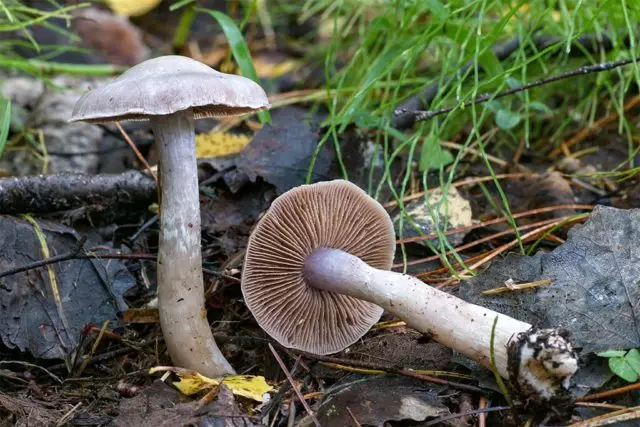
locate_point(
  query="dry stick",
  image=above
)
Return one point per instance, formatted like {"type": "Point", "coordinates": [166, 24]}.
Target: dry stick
{"type": "Point", "coordinates": [353, 418]}
{"type": "Point", "coordinates": [479, 241]}
{"type": "Point", "coordinates": [294, 386]}
{"type": "Point", "coordinates": [92, 255]}
{"type": "Point", "coordinates": [472, 412]}
{"type": "Point", "coordinates": [136, 151]}
{"type": "Point", "coordinates": [506, 247]}
{"type": "Point", "coordinates": [589, 130]}
{"type": "Point", "coordinates": [588, 42]}
{"type": "Point", "coordinates": [589, 69]}
{"type": "Point", "coordinates": [391, 370]}
{"type": "Point", "coordinates": [610, 418]}
{"type": "Point", "coordinates": [496, 221]}
{"type": "Point", "coordinates": [609, 393]}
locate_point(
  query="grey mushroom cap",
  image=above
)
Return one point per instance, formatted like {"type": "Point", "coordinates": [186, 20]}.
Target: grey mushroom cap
{"type": "Point", "coordinates": [167, 85]}
{"type": "Point", "coordinates": [335, 214]}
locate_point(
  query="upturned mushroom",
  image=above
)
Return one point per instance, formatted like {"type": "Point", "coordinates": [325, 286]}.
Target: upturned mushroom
{"type": "Point", "coordinates": [315, 278]}
{"type": "Point", "coordinates": [170, 92]}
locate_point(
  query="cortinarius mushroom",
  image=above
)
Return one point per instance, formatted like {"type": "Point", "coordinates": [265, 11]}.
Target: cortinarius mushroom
{"type": "Point", "coordinates": [170, 92]}
{"type": "Point", "coordinates": [315, 272]}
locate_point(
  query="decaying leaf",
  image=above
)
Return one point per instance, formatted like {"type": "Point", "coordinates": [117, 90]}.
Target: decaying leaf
{"type": "Point", "coordinates": [452, 211]}
{"type": "Point", "coordinates": [43, 310]}
{"type": "Point", "coordinates": [282, 153]}
{"type": "Point", "coordinates": [376, 400]}
{"type": "Point", "coordinates": [162, 405]}
{"type": "Point", "coordinates": [192, 382]}
{"type": "Point", "coordinates": [595, 293]}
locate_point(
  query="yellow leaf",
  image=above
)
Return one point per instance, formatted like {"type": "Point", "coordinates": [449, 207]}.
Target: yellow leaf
{"type": "Point", "coordinates": [251, 386]}
{"type": "Point", "coordinates": [191, 382]}
{"type": "Point", "coordinates": [132, 7]}
{"type": "Point", "coordinates": [218, 144]}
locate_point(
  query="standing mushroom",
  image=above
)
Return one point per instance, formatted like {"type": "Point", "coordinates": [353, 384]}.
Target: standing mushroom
{"type": "Point", "coordinates": [315, 276]}
{"type": "Point", "coordinates": [170, 92]}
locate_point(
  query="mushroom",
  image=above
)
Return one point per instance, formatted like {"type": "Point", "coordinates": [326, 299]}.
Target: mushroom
{"type": "Point", "coordinates": [170, 92]}
{"type": "Point", "coordinates": [315, 278]}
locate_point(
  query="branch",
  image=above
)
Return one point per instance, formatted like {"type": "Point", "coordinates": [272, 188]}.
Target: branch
{"type": "Point", "coordinates": [61, 192]}
{"type": "Point", "coordinates": [404, 115]}
{"type": "Point", "coordinates": [589, 69]}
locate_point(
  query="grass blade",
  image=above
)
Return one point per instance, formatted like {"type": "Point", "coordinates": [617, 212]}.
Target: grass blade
{"type": "Point", "coordinates": [5, 114]}
{"type": "Point", "coordinates": [239, 49]}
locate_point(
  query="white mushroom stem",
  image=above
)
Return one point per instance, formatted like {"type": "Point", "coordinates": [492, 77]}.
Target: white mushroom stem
{"type": "Point", "coordinates": [183, 316]}
{"type": "Point", "coordinates": [447, 319]}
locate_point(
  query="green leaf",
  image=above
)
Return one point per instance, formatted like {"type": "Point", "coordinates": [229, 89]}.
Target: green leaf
{"type": "Point", "coordinates": [432, 155]}
{"type": "Point", "coordinates": [5, 115]}
{"type": "Point", "coordinates": [633, 359]}
{"type": "Point", "coordinates": [365, 120]}
{"type": "Point", "coordinates": [507, 119]}
{"type": "Point", "coordinates": [181, 3]}
{"type": "Point", "coordinates": [621, 368]}
{"type": "Point", "coordinates": [490, 63]}
{"type": "Point", "coordinates": [539, 106]}
{"type": "Point", "coordinates": [437, 9]}
{"type": "Point", "coordinates": [612, 353]}
{"type": "Point", "coordinates": [240, 51]}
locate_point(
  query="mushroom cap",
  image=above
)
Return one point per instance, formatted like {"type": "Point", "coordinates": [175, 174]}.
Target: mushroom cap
{"type": "Point", "coordinates": [166, 85]}
{"type": "Point", "coordinates": [334, 214]}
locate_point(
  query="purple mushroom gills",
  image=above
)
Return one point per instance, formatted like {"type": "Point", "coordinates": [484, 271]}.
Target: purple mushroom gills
{"type": "Point", "coordinates": [171, 92]}
{"type": "Point", "coordinates": [316, 279]}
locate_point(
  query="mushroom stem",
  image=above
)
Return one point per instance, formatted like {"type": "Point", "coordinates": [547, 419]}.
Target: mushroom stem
{"type": "Point", "coordinates": [447, 319]}
{"type": "Point", "coordinates": [183, 317]}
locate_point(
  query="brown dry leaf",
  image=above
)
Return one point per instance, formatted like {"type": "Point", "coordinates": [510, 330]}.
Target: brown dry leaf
{"type": "Point", "coordinates": [111, 36]}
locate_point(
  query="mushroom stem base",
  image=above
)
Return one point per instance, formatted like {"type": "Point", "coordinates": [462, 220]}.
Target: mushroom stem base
{"type": "Point", "coordinates": [180, 288]}
{"type": "Point", "coordinates": [447, 319]}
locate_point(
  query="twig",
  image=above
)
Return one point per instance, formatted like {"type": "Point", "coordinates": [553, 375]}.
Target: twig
{"type": "Point", "coordinates": [610, 418]}
{"type": "Point", "coordinates": [294, 386]}
{"type": "Point", "coordinates": [58, 258]}
{"type": "Point", "coordinates": [31, 365]}
{"type": "Point", "coordinates": [532, 234]}
{"type": "Point", "coordinates": [353, 418]}
{"type": "Point", "coordinates": [589, 130]}
{"type": "Point", "coordinates": [609, 393]}
{"type": "Point", "coordinates": [420, 115]}
{"type": "Point", "coordinates": [472, 412]}
{"type": "Point", "coordinates": [480, 241]}
{"type": "Point", "coordinates": [498, 220]}
{"type": "Point", "coordinates": [92, 255]}
{"type": "Point", "coordinates": [392, 370]}
{"type": "Point", "coordinates": [53, 193]}
{"type": "Point", "coordinates": [517, 287]}
{"type": "Point", "coordinates": [588, 42]}
{"type": "Point", "coordinates": [137, 152]}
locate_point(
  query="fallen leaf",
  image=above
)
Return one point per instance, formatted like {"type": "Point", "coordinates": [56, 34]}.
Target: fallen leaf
{"type": "Point", "coordinates": [192, 382]}
{"type": "Point", "coordinates": [595, 293]}
{"type": "Point", "coordinates": [162, 405]}
{"type": "Point", "coordinates": [281, 153]}
{"type": "Point", "coordinates": [377, 400]}
{"type": "Point", "coordinates": [450, 212]}
{"type": "Point", "coordinates": [219, 144]}
{"type": "Point", "coordinates": [89, 290]}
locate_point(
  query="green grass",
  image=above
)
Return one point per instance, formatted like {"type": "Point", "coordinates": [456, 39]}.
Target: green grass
{"type": "Point", "coordinates": [382, 52]}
